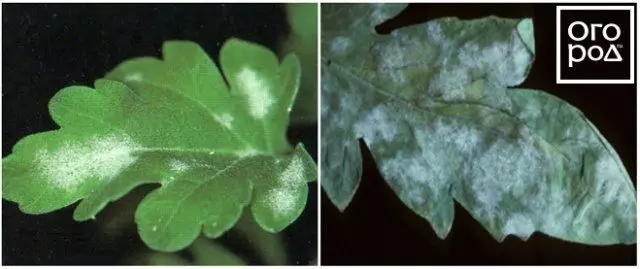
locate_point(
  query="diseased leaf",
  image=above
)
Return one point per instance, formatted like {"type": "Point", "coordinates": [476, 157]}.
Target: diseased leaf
{"type": "Point", "coordinates": [213, 149]}
{"type": "Point", "coordinates": [433, 103]}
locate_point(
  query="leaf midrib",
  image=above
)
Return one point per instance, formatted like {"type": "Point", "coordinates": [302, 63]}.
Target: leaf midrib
{"type": "Point", "coordinates": [158, 149]}
{"type": "Point", "coordinates": [197, 187]}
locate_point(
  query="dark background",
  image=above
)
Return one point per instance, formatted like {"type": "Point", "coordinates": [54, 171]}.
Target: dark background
{"type": "Point", "coordinates": [588, 69]}
{"type": "Point", "coordinates": [47, 47]}
{"type": "Point", "coordinates": [377, 228]}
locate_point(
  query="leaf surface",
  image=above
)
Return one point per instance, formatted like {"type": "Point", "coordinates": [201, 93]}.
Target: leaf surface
{"type": "Point", "coordinates": [214, 149]}
{"type": "Point", "coordinates": [435, 105]}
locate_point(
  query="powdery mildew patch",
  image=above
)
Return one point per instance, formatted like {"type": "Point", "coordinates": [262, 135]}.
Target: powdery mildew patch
{"type": "Point", "coordinates": [501, 63]}
{"type": "Point", "coordinates": [225, 119]}
{"type": "Point", "coordinates": [178, 166]}
{"type": "Point", "coordinates": [100, 158]}
{"type": "Point", "coordinates": [519, 225]}
{"type": "Point", "coordinates": [341, 44]}
{"type": "Point", "coordinates": [282, 199]}
{"type": "Point", "coordinates": [247, 152]}
{"type": "Point", "coordinates": [257, 91]}
{"type": "Point", "coordinates": [377, 123]}
{"type": "Point", "coordinates": [133, 77]}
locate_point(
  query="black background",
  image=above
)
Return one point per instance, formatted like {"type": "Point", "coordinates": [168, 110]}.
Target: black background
{"type": "Point", "coordinates": [377, 228]}
{"type": "Point", "coordinates": [47, 47]}
{"type": "Point", "coordinates": [588, 69]}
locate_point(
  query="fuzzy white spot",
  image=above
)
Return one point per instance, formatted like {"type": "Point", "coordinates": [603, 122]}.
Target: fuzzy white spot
{"type": "Point", "coordinates": [519, 225]}
{"type": "Point", "coordinates": [100, 158]}
{"type": "Point", "coordinates": [225, 119]}
{"type": "Point", "coordinates": [283, 198]}
{"type": "Point", "coordinates": [248, 152]}
{"type": "Point", "coordinates": [340, 44]}
{"type": "Point", "coordinates": [393, 56]}
{"type": "Point", "coordinates": [178, 166]}
{"type": "Point", "coordinates": [436, 34]}
{"type": "Point", "coordinates": [377, 16]}
{"type": "Point", "coordinates": [293, 174]}
{"type": "Point", "coordinates": [133, 77]}
{"type": "Point", "coordinates": [283, 201]}
{"type": "Point", "coordinates": [155, 228]}
{"type": "Point", "coordinates": [257, 91]}
{"type": "Point", "coordinates": [378, 123]}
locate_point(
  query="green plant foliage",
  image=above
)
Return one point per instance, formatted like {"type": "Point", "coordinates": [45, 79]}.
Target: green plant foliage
{"type": "Point", "coordinates": [303, 41]}
{"type": "Point", "coordinates": [435, 104]}
{"type": "Point", "coordinates": [214, 149]}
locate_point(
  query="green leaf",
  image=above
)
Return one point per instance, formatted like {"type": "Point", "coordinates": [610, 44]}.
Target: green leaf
{"type": "Point", "coordinates": [303, 41]}
{"type": "Point", "coordinates": [270, 247]}
{"type": "Point", "coordinates": [213, 149]}
{"type": "Point", "coordinates": [433, 103]}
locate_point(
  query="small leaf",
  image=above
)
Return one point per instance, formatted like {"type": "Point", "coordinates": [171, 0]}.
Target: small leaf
{"type": "Point", "coordinates": [434, 105]}
{"type": "Point", "coordinates": [213, 149]}
{"type": "Point", "coordinates": [303, 41]}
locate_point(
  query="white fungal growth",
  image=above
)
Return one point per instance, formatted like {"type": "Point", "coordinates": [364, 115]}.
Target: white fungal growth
{"type": "Point", "coordinates": [178, 166]}
{"type": "Point", "coordinates": [225, 119]}
{"type": "Point", "coordinates": [283, 198]}
{"type": "Point", "coordinates": [100, 158]}
{"type": "Point", "coordinates": [519, 225]}
{"type": "Point", "coordinates": [378, 123]}
{"type": "Point", "coordinates": [293, 174]}
{"type": "Point", "coordinates": [133, 77]}
{"type": "Point", "coordinates": [378, 14]}
{"type": "Point", "coordinates": [435, 33]}
{"type": "Point", "coordinates": [248, 152]}
{"type": "Point", "coordinates": [257, 91]}
{"type": "Point", "coordinates": [341, 44]}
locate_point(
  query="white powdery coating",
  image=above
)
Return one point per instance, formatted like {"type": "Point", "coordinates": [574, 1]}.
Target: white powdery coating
{"type": "Point", "coordinates": [293, 174]}
{"type": "Point", "coordinates": [248, 152]}
{"type": "Point", "coordinates": [413, 176]}
{"type": "Point", "coordinates": [101, 158]}
{"type": "Point", "coordinates": [378, 15]}
{"type": "Point", "coordinates": [520, 225]}
{"type": "Point", "coordinates": [492, 175]}
{"type": "Point", "coordinates": [505, 63]}
{"type": "Point", "coordinates": [225, 119]}
{"type": "Point", "coordinates": [257, 91]}
{"type": "Point", "coordinates": [451, 83]}
{"type": "Point", "coordinates": [502, 63]}
{"type": "Point", "coordinates": [398, 55]}
{"type": "Point", "coordinates": [282, 199]}
{"type": "Point", "coordinates": [178, 166]}
{"type": "Point", "coordinates": [133, 77]}
{"type": "Point", "coordinates": [340, 45]}
{"type": "Point", "coordinates": [377, 123]}
{"type": "Point", "coordinates": [436, 34]}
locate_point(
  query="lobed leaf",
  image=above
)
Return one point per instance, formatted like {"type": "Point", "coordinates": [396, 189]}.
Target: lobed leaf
{"type": "Point", "coordinates": [433, 103]}
{"type": "Point", "coordinates": [214, 149]}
